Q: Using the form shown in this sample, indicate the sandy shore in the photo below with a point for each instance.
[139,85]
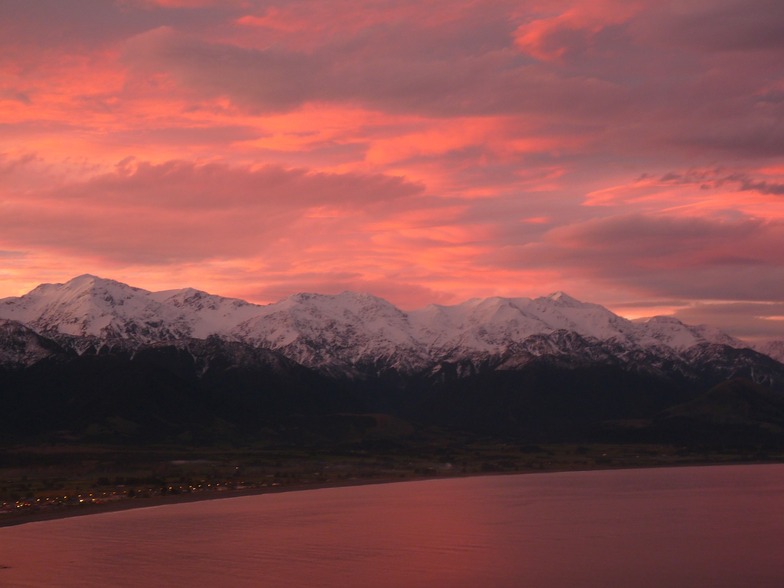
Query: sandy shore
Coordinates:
[24,516]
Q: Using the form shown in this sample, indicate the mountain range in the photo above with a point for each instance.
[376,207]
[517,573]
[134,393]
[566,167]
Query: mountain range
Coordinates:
[106,358]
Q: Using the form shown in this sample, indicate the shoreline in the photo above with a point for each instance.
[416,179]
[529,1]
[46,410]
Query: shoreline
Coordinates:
[13,519]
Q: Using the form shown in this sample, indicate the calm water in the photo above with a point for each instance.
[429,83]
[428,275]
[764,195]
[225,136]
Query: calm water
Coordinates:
[690,527]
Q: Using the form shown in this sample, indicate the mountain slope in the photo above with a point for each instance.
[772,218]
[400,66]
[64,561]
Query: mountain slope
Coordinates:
[21,346]
[774,349]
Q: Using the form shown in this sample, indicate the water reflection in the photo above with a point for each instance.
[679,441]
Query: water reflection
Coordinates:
[718,526]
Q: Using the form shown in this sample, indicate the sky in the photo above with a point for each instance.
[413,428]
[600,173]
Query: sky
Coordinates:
[627,152]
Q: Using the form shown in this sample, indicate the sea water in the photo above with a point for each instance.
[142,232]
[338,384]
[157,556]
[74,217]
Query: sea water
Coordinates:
[690,526]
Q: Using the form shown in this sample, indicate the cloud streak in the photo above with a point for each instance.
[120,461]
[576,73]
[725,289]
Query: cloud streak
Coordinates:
[178,211]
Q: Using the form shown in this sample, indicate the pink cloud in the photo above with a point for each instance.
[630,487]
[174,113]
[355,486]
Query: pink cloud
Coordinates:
[576,29]
[666,255]
[753,321]
[712,193]
[450,149]
[186,3]
[179,211]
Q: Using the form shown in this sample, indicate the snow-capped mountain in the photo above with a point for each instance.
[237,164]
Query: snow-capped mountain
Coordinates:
[98,359]
[671,332]
[112,312]
[206,314]
[493,325]
[345,330]
[352,332]
[88,306]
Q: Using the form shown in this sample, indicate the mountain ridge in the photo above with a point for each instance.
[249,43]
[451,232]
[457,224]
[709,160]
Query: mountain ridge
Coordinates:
[347,328]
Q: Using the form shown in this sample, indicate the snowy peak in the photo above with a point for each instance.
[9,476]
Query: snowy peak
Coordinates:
[671,332]
[562,312]
[197,300]
[88,306]
[207,314]
[493,326]
[477,326]
[319,329]
[562,299]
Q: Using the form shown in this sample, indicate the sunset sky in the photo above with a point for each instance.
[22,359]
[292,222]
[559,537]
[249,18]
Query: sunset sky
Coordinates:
[628,152]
